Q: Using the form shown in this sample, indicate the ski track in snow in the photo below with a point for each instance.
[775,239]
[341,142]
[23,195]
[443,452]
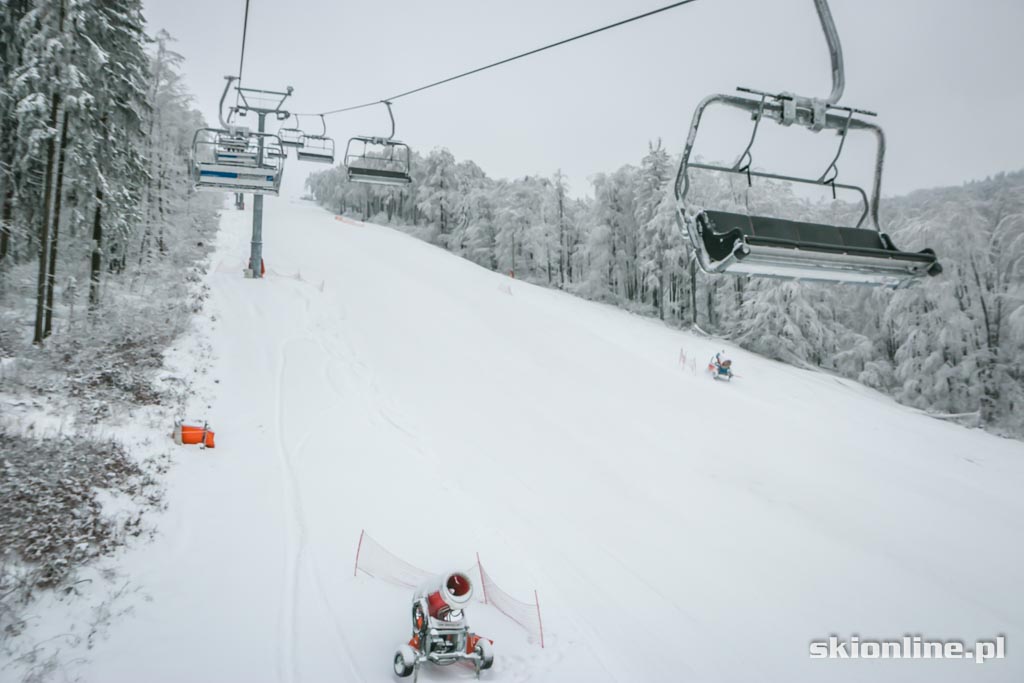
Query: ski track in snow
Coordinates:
[299,555]
[296,531]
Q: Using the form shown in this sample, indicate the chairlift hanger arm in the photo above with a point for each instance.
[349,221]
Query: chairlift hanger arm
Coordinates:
[392,116]
[835,50]
[220,110]
[835,53]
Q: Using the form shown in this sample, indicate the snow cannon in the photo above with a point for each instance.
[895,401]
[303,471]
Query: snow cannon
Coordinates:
[190,434]
[720,368]
[440,633]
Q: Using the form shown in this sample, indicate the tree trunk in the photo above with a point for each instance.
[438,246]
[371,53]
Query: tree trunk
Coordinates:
[51,276]
[44,230]
[97,252]
[6,211]
[693,289]
[161,212]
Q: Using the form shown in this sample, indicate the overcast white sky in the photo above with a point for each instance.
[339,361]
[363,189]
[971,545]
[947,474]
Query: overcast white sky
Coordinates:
[945,76]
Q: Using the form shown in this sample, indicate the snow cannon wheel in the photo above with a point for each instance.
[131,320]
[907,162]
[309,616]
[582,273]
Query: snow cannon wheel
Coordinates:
[405,661]
[486,653]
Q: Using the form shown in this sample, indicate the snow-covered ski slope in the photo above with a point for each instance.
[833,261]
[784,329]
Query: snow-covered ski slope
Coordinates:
[675,528]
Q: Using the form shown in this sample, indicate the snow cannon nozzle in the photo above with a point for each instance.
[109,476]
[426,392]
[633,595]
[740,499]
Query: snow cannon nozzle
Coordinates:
[457,590]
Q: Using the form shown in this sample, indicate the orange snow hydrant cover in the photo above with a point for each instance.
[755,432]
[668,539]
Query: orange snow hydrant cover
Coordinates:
[190,434]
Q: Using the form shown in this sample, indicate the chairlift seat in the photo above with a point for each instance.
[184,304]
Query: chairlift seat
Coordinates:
[778,247]
[377,176]
[323,156]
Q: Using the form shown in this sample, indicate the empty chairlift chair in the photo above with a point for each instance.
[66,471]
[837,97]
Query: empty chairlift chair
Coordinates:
[378,160]
[221,162]
[291,136]
[317,148]
[729,242]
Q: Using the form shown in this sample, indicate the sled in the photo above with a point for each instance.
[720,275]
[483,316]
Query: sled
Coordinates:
[719,376]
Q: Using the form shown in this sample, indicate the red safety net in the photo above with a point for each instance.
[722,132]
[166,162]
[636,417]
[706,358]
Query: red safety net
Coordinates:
[375,560]
[526,614]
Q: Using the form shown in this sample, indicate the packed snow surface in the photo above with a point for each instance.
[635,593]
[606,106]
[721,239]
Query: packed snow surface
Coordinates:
[675,528]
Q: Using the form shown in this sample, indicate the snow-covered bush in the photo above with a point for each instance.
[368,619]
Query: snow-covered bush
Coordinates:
[52,521]
[101,260]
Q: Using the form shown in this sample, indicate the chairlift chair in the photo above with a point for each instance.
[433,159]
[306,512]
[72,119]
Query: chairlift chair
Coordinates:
[291,136]
[378,160]
[734,243]
[214,168]
[317,148]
